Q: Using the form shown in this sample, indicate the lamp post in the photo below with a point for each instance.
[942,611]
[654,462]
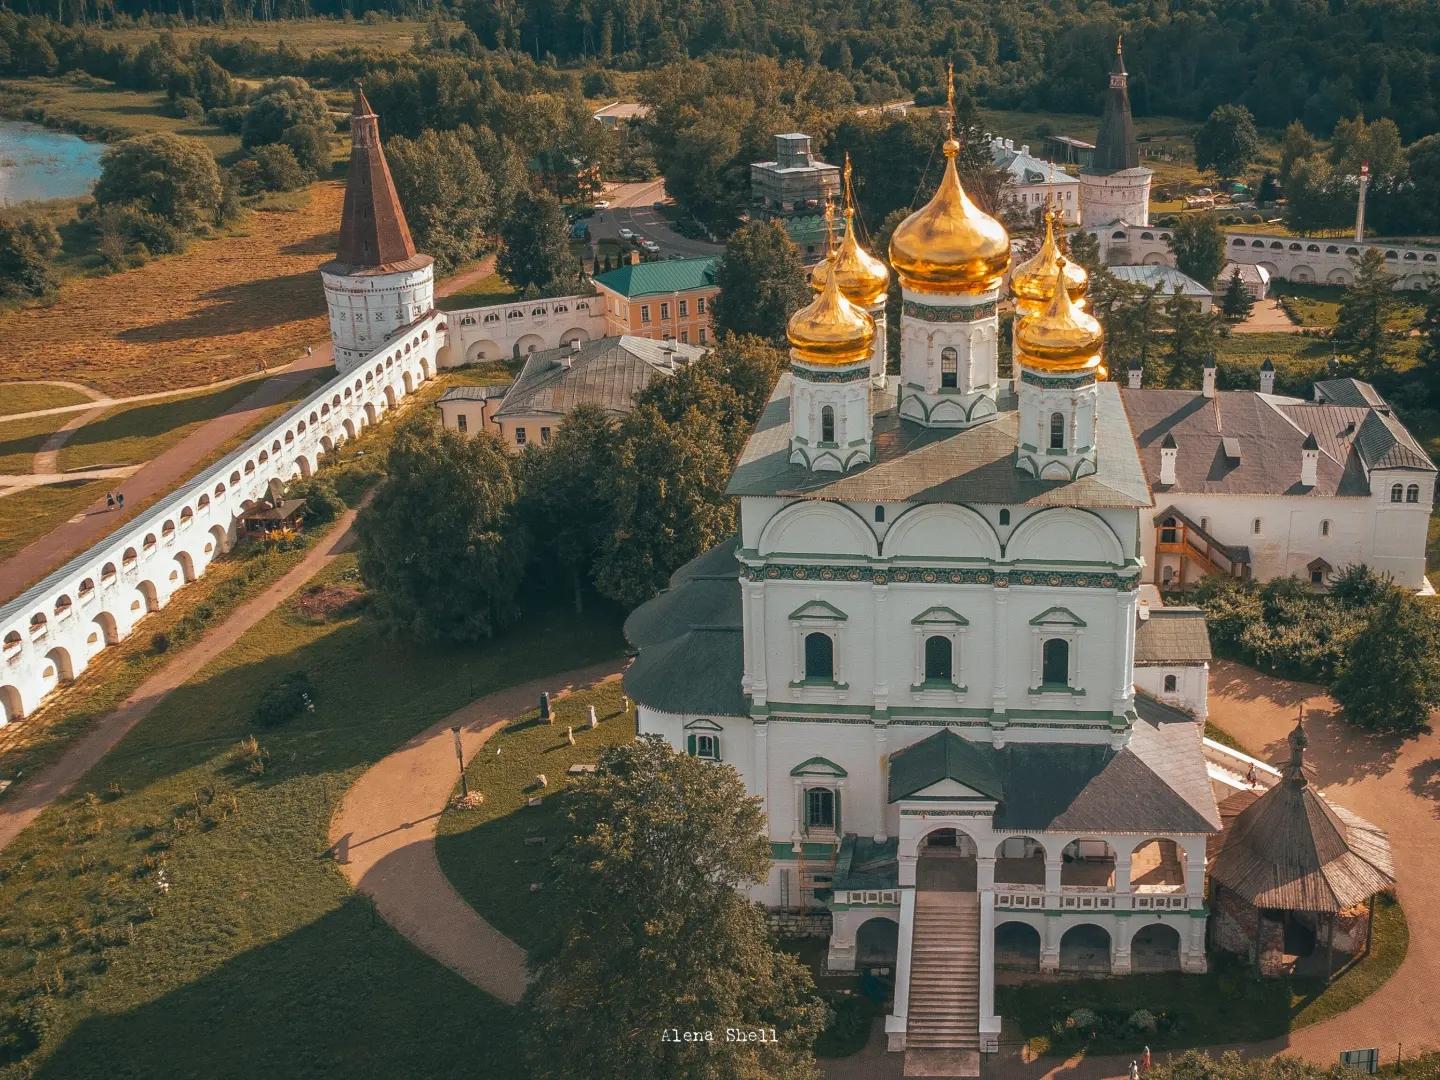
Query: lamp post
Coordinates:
[460,757]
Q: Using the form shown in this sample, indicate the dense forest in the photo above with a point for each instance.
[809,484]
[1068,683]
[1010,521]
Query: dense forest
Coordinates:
[1315,60]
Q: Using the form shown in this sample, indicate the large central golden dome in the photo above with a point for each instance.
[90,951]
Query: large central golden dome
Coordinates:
[950,245]
[1061,338]
[1033,281]
[830,330]
[863,279]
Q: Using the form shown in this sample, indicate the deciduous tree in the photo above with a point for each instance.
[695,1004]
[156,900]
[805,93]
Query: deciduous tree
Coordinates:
[26,248]
[1227,142]
[761,280]
[446,194]
[170,176]
[1391,680]
[655,933]
[280,104]
[1199,247]
[440,544]
[535,246]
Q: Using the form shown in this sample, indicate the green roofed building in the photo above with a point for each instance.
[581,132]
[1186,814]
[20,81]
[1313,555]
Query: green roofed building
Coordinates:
[669,298]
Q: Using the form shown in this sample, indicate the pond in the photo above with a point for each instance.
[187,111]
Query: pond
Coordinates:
[37,163]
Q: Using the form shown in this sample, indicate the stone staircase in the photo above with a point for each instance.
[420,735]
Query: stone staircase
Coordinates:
[944,1010]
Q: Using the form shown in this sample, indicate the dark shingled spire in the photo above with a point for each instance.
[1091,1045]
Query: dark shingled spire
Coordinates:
[373,232]
[1115,147]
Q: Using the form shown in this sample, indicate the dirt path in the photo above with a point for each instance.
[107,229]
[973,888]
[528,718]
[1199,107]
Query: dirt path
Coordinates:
[35,794]
[13,482]
[97,398]
[384,837]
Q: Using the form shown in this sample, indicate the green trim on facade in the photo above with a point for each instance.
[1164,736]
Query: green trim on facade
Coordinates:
[935,313]
[1050,617]
[1000,579]
[837,374]
[830,766]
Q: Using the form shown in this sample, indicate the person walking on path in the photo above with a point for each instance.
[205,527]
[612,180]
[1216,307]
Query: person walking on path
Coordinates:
[120,499]
[109,500]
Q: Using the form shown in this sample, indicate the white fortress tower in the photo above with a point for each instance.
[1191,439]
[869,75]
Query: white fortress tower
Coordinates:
[377,284]
[1114,187]
[951,257]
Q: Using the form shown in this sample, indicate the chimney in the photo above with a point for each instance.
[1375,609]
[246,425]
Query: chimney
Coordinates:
[1143,610]
[1136,373]
[1309,462]
[575,345]
[1267,377]
[634,257]
[1208,383]
[1169,449]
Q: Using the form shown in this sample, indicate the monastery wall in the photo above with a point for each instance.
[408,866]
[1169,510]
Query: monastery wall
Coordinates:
[511,331]
[54,629]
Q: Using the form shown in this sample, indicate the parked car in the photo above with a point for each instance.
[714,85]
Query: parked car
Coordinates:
[602,204]
[627,234]
[650,246]
[638,240]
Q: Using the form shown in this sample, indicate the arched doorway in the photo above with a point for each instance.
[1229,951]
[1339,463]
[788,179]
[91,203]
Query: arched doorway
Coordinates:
[59,659]
[10,707]
[146,599]
[877,943]
[1085,948]
[1017,947]
[1020,860]
[186,565]
[1155,948]
[103,632]
[946,861]
[1088,862]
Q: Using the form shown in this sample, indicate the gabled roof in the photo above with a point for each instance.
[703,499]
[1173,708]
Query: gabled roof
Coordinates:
[1168,278]
[944,756]
[607,372]
[374,236]
[1172,635]
[662,276]
[939,465]
[475,393]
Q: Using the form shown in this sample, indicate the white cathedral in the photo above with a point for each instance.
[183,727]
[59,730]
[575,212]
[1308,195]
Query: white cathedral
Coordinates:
[921,651]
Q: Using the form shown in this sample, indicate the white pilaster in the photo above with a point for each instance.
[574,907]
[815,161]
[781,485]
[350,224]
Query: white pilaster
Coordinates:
[989,1022]
[895,1023]
[882,750]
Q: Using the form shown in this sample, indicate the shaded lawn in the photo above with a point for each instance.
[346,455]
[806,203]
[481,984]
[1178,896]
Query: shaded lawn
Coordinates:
[29,397]
[1319,305]
[141,432]
[491,289]
[20,440]
[484,852]
[27,515]
[1226,1005]
[259,959]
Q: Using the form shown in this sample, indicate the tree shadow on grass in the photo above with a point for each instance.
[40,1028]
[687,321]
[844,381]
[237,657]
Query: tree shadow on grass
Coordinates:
[244,307]
[1425,782]
[158,418]
[344,995]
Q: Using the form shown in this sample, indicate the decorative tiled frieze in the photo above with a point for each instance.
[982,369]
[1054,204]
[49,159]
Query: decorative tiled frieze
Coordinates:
[854,373]
[935,313]
[1053,579]
[1057,382]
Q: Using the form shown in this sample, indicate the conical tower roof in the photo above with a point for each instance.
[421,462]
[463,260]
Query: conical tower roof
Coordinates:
[1290,849]
[374,236]
[1115,147]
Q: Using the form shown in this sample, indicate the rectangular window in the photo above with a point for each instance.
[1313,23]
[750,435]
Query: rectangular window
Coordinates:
[820,808]
[684,337]
[705,747]
[684,308]
[460,422]
[702,335]
[644,314]
[700,305]
[519,436]
[1255,526]
[544,434]
[664,311]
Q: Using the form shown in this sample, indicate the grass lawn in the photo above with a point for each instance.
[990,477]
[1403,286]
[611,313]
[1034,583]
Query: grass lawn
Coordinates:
[139,432]
[212,312]
[102,110]
[32,513]
[31,397]
[1319,305]
[491,289]
[484,852]
[1227,1005]
[21,439]
[257,959]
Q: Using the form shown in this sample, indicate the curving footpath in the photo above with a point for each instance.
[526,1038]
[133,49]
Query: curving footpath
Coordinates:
[384,836]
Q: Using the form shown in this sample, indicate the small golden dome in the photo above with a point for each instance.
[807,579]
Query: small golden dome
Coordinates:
[830,330]
[1060,338]
[1033,281]
[950,245]
[863,279]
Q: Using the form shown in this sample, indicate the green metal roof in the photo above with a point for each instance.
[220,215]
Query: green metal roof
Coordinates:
[942,756]
[662,276]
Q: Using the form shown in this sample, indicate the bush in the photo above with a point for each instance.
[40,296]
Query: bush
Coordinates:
[160,643]
[285,700]
[354,479]
[249,756]
[187,108]
[848,1030]
[323,503]
[276,168]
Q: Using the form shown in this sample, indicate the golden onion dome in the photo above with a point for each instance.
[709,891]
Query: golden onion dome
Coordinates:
[950,245]
[1062,337]
[830,330]
[863,278]
[1033,281]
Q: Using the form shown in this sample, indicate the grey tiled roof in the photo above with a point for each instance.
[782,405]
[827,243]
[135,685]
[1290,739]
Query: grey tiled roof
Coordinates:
[692,649]
[607,372]
[1172,635]
[931,465]
[865,864]
[1158,783]
[1349,392]
[475,393]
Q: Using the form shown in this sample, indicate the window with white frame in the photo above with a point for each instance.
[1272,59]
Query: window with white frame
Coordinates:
[949,367]
[1172,684]
[1055,648]
[817,628]
[937,633]
[818,785]
[820,809]
[702,740]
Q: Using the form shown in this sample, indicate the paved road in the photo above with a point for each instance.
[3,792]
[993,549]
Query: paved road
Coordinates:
[177,464]
[632,206]
[31,798]
[384,837]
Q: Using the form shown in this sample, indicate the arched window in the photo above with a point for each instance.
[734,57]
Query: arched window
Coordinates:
[1004,517]
[1057,431]
[1397,493]
[879,513]
[820,808]
[1055,663]
[1170,531]
[1171,684]
[819,656]
[1255,526]
[827,424]
[1412,493]
[949,367]
[939,659]
[1325,528]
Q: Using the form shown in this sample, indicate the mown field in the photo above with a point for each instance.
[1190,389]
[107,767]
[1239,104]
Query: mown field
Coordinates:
[379,33]
[215,311]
